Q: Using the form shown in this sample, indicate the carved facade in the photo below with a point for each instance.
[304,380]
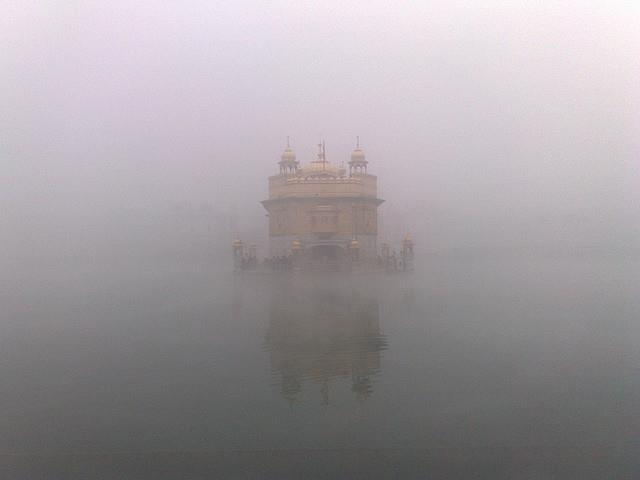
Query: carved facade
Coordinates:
[321,212]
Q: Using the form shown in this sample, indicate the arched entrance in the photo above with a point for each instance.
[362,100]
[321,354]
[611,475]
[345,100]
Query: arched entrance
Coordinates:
[327,253]
[326,258]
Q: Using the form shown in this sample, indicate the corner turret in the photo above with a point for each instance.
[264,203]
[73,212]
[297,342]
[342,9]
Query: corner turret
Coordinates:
[288,163]
[358,162]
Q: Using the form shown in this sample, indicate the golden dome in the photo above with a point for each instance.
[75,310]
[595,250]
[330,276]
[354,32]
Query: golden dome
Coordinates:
[288,155]
[354,244]
[320,168]
[357,155]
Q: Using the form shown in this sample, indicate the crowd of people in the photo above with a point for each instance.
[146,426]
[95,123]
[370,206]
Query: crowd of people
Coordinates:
[279,263]
[394,262]
[248,263]
[391,263]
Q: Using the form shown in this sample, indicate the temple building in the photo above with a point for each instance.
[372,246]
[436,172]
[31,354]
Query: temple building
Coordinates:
[321,212]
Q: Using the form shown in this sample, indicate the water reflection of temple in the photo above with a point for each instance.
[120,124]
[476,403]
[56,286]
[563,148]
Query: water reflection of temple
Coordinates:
[321,333]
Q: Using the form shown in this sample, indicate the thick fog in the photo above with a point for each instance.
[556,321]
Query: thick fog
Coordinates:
[136,139]
[488,125]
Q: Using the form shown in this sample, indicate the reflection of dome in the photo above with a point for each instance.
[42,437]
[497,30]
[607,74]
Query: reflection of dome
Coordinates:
[362,386]
[290,388]
[354,244]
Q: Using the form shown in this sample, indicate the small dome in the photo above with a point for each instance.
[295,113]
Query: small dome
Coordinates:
[288,155]
[318,168]
[357,155]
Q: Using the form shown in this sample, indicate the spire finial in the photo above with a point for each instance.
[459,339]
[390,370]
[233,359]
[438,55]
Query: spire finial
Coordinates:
[324,157]
[288,146]
[357,141]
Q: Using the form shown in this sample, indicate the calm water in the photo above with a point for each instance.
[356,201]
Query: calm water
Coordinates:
[473,368]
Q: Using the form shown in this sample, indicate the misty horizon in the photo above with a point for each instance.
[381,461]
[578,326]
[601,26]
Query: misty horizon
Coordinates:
[466,112]
[141,338]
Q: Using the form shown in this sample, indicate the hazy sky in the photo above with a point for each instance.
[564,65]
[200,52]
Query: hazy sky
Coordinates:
[473,107]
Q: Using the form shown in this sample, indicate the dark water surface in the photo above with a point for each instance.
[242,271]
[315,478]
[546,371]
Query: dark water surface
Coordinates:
[472,368]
